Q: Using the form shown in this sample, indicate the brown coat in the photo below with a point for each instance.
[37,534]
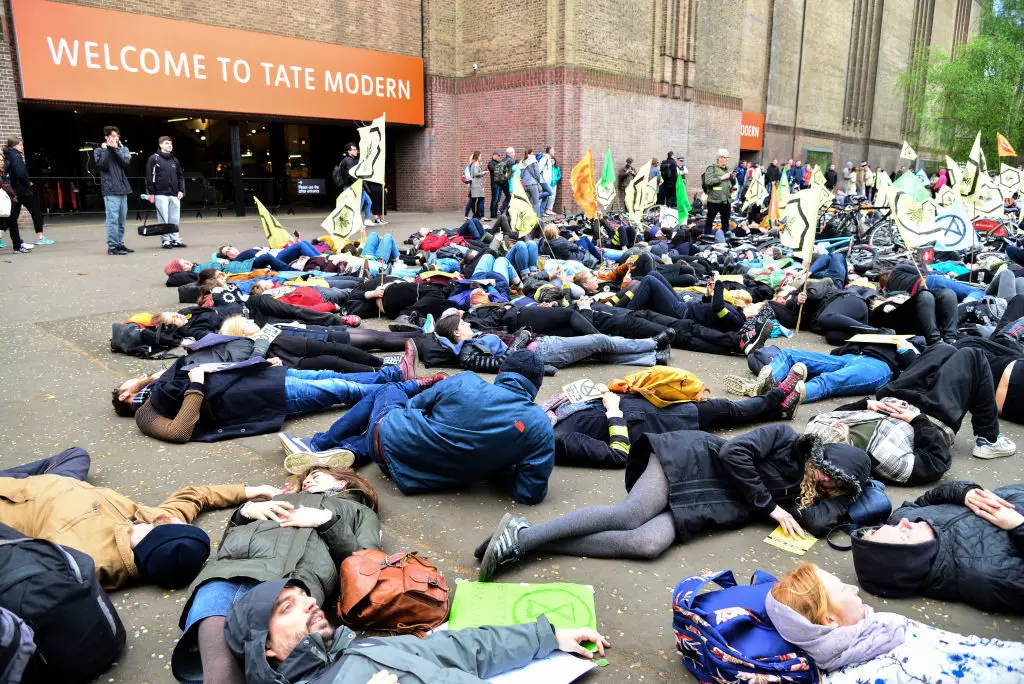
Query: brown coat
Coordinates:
[97,520]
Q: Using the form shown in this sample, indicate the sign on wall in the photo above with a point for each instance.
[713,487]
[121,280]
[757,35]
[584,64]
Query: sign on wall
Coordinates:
[751,131]
[84,54]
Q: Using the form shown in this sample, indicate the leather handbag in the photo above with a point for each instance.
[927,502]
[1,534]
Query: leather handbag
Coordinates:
[402,592]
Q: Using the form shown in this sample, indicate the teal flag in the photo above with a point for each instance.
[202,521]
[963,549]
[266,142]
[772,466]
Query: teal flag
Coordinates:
[682,200]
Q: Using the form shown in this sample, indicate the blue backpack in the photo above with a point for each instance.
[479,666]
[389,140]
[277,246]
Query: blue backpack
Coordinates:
[725,636]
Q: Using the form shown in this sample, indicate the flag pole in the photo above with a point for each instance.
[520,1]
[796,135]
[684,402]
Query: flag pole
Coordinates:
[807,277]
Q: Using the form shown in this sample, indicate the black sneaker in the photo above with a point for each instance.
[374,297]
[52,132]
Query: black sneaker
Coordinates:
[503,548]
[178,245]
[116,251]
[127,250]
[168,245]
[662,357]
[791,403]
[755,339]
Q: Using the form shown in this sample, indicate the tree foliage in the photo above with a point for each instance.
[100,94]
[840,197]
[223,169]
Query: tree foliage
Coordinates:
[979,87]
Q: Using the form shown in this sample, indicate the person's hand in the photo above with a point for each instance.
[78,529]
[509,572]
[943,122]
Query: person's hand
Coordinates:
[180,195]
[611,401]
[197,375]
[789,524]
[993,508]
[569,640]
[304,516]
[900,410]
[268,510]
[261,492]
[383,677]
[274,361]
[103,145]
[801,298]
[151,198]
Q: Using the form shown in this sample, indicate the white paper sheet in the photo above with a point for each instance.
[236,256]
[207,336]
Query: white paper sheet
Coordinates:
[557,668]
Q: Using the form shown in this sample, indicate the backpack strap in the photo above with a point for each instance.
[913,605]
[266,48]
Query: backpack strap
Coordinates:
[848,529]
[690,587]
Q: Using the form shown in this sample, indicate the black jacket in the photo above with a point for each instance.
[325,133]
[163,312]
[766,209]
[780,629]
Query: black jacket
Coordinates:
[773,174]
[112,163]
[977,562]
[669,171]
[17,171]
[830,179]
[717,483]
[163,175]
[347,163]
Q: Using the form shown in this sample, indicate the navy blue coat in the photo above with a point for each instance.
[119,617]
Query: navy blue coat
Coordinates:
[464,430]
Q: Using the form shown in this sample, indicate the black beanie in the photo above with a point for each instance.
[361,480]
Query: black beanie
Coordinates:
[527,364]
[891,570]
[172,555]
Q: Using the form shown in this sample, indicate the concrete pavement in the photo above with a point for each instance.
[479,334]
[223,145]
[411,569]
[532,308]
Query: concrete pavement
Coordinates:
[58,305]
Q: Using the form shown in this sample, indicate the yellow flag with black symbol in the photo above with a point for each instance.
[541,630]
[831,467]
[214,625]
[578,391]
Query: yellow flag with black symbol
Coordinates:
[641,194]
[988,202]
[955,175]
[521,216]
[801,216]
[344,222]
[971,182]
[756,190]
[1009,180]
[915,220]
[817,177]
[277,236]
[371,152]
[908,152]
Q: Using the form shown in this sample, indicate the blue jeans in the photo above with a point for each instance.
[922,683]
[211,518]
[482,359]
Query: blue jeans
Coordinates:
[496,191]
[499,265]
[523,256]
[564,351]
[116,207]
[833,376]
[831,266]
[299,249]
[308,390]
[73,462]
[351,431]
[366,205]
[381,248]
[471,228]
[962,290]
[545,193]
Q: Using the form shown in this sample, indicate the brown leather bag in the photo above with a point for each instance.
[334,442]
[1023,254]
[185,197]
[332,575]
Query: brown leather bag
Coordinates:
[401,593]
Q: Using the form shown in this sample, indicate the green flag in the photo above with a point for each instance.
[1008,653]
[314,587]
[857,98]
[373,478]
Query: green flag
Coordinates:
[682,200]
[606,186]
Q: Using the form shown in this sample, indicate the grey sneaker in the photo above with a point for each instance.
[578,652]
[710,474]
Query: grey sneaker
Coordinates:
[503,547]
[1003,446]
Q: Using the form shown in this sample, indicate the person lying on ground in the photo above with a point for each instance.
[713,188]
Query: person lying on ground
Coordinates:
[684,482]
[228,299]
[712,310]
[591,434]
[302,534]
[128,541]
[433,441]
[281,635]
[927,312]
[815,611]
[956,542]
[300,248]
[228,266]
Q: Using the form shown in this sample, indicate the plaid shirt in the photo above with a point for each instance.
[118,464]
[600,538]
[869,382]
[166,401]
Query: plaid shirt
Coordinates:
[139,399]
[891,446]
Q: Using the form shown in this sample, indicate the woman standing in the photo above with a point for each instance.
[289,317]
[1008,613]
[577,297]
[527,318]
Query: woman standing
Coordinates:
[475,206]
[10,222]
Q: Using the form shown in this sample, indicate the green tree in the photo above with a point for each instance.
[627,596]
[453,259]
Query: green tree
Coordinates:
[979,87]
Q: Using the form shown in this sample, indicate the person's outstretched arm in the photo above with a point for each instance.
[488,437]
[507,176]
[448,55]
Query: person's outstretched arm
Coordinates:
[530,483]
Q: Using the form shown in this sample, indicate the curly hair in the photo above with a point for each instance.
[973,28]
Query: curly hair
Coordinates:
[811,489]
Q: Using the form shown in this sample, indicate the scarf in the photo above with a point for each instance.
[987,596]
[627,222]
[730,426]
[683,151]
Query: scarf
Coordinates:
[833,648]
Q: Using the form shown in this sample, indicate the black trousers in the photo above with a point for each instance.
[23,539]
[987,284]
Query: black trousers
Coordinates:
[623,323]
[11,224]
[692,336]
[265,309]
[716,208]
[29,201]
[554,321]
[937,314]
[715,414]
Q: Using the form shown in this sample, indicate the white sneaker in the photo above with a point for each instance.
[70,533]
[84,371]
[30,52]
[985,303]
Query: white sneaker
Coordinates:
[28,245]
[367,222]
[1003,446]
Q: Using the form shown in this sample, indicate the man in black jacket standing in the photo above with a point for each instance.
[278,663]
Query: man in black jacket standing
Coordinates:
[14,163]
[669,172]
[165,186]
[112,159]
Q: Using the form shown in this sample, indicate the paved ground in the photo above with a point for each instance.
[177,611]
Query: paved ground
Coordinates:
[58,306]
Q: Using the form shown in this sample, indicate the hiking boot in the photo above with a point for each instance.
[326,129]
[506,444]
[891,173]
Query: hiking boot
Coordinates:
[351,320]
[1003,446]
[428,381]
[404,323]
[503,547]
[664,338]
[756,338]
[792,401]
[762,384]
[797,373]
[662,357]
[408,362]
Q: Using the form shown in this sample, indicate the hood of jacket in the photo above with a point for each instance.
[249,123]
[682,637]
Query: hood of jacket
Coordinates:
[849,466]
[518,384]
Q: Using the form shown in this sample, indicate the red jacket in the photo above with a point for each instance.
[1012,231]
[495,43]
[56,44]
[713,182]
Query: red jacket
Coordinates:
[307,298]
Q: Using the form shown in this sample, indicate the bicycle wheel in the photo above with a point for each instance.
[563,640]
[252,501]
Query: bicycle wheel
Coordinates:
[885,235]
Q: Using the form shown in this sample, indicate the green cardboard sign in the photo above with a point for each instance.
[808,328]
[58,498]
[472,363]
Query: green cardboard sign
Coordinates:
[477,604]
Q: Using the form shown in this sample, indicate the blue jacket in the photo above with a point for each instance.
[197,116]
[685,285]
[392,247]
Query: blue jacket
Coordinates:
[464,430]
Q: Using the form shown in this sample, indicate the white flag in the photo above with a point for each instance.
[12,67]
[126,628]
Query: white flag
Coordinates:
[371,152]
[957,232]
[908,152]
[344,221]
[801,216]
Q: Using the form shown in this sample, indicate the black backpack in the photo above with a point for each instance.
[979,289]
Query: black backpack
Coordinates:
[134,340]
[502,172]
[703,183]
[54,589]
[336,175]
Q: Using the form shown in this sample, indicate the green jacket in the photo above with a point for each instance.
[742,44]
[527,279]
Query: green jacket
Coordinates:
[263,550]
[719,189]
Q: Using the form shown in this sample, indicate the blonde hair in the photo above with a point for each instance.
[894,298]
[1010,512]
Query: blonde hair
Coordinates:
[741,298]
[234,326]
[550,232]
[811,489]
[802,590]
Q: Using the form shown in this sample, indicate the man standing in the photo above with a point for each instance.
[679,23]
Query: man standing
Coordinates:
[862,178]
[669,172]
[508,169]
[772,174]
[831,177]
[14,158]
[165,186]
[494,169]
[718,180]
[112,159]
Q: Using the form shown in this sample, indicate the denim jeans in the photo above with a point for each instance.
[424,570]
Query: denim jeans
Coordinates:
[550,206]
[545,195]
[351,431]
[831,266]
[381,248]
[564,351]
[500,265]
[168,210]
[215,598]
[307,390]
[366,205]
[833,376]
[73,462]
[534,194]
[299,249]
[471,228]
[116,207]
[496,191]
[523,256]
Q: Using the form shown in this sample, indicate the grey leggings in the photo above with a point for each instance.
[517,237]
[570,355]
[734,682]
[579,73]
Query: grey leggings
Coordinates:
[639,527]
[1006,285]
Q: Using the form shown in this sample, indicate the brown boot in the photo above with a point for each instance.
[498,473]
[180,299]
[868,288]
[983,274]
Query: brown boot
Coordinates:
[408,362]
[428,381]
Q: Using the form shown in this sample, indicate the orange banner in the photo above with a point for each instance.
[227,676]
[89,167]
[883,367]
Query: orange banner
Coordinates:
[82,54]
[751,131]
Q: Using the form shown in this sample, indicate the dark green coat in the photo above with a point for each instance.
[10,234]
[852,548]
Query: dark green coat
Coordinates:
[262,550]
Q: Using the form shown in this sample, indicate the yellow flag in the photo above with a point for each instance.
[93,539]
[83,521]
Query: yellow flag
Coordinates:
[915,220]
[955,175]
[641,195]
[521,216]
[756,191]
[908,152]
[883,188]
[972,171]
[371,152]
[1004,147]
[988,201]
[345,221]
[277,235]
[818,178]
[582,182]
[801,216]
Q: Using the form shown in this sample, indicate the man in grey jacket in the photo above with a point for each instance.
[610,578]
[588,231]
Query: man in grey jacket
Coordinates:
[282,635]
[112,159]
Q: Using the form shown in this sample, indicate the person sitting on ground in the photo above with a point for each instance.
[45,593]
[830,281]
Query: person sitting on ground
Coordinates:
[434,441]
[816,612]
[934,547]
[283,636]
[684,482]
[129,542]
[321,517]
